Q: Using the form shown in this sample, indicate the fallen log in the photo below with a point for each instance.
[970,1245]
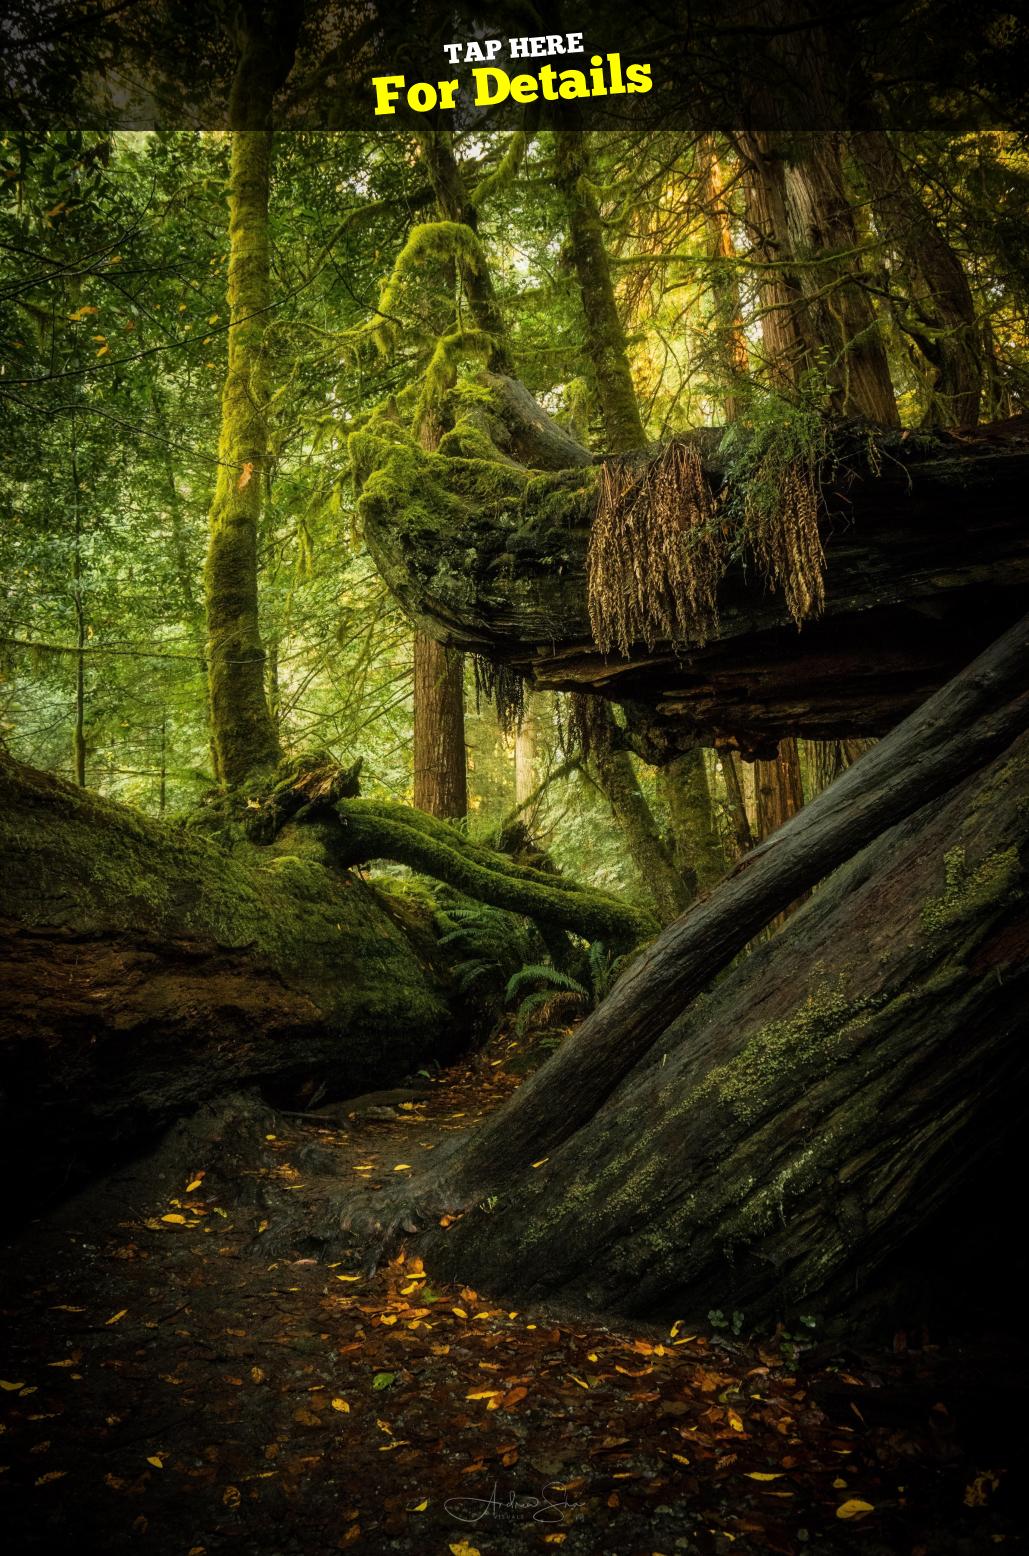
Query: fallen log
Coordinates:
[927,554]
[147,968]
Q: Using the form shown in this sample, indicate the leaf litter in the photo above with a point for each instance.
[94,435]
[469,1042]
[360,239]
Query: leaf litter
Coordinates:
[197,1395]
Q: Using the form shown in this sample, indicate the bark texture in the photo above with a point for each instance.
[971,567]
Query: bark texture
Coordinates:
[927,558]
[786,1139]
[964,726]
[244,736]
[604,334]
[440,769]
[148,967]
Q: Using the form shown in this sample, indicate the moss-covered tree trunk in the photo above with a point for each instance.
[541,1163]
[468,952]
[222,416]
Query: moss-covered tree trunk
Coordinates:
[696,846]
[244,736]
[146,968]
[668,888]
[604,334]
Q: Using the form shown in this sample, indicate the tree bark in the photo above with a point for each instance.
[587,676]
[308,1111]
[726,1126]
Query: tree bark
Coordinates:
[942,312]
[926,560]
[147,967]
[962,727]
[440,769]
[244,736]
[604,334]
[784,1141]
[696,847]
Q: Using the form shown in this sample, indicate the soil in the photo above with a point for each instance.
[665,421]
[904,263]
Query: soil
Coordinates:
[180,1377]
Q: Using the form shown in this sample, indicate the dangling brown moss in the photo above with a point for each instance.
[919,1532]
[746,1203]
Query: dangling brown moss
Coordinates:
[783,534]
[654,557]
[504,688]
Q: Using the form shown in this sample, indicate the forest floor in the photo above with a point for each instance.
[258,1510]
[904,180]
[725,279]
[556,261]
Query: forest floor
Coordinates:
[167,1388]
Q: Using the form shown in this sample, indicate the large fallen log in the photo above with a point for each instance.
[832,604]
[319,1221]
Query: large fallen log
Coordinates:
[927,553]
[962,727]
[802,1140]
[146,968]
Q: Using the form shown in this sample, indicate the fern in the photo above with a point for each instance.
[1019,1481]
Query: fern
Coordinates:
[541,972]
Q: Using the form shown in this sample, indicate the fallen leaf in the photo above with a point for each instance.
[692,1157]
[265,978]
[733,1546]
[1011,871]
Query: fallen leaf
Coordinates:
[230,1496]
[761,1475]
[854,1508]
[175,1219]
[116,1317]
[342,1406]
[156,1460]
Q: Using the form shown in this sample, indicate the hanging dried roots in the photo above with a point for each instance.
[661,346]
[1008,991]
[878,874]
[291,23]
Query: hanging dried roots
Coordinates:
[780,510]
[504,688]
[589,728]
[654,559]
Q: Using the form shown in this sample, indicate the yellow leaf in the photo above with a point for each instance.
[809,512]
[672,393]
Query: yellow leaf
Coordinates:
[10,1388]
[484,1394]
[213,319]
[760,1475]
[554,1539]
[174,1218]
[194,1185]
[402,1167]
[540,1162]
[419,1507]
[735,1422]
[342,1406]
[459,1312]
[44,1480]
[103,351]
[116,1317]
[257,1374]
[230,1496]
[388,1318]
[838,1484]
[156,1460]
[462,1548]
[348,1277]
[854,1508]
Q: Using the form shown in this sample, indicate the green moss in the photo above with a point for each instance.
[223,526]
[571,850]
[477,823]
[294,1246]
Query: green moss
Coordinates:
[75,860]
[807,1042]
[968,890]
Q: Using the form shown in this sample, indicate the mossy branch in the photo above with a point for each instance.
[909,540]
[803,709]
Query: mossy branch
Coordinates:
[504,172]
[380,830]
[429,241]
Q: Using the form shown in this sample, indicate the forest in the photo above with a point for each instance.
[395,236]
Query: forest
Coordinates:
[514,796]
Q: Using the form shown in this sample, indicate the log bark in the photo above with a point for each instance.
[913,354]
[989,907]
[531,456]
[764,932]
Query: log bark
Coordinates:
[146,968]
[965,725]
[785,1142]
[927,558]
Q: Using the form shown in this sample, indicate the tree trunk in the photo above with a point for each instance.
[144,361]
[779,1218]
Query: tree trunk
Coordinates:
[604,335]
[965,725]
[728,307]
[942,313]
[784,1141]
[440,775]
[244,736]
[660,878]
[455,206]
[814,307]
[696,847]
[780,793]
[146,968]
[525,754]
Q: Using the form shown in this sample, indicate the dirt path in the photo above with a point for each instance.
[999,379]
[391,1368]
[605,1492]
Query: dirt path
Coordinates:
[168,1387]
